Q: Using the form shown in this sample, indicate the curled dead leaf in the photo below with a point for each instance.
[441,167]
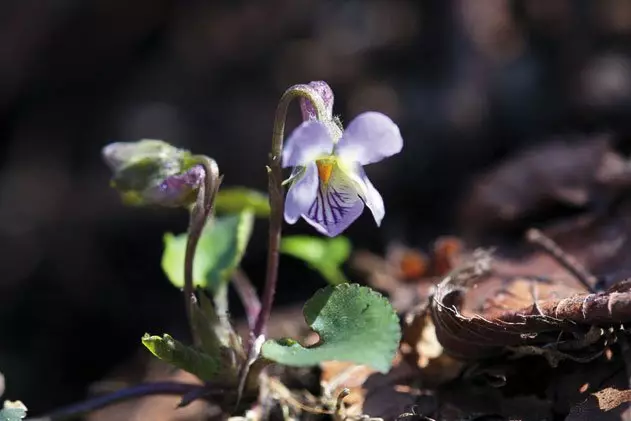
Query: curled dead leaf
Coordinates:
[488,313]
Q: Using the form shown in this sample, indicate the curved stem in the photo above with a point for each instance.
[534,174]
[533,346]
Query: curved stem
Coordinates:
[247,294]
[137,391]
[200,213]
[275,187]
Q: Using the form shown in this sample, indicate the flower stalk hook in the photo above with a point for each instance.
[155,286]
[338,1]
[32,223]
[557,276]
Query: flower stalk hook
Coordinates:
[276,195]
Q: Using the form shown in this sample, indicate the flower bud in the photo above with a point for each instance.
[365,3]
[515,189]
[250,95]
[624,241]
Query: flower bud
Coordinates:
[153,172]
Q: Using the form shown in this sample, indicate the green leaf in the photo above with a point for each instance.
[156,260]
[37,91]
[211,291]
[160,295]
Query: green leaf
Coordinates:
[237,199]
[13,411]
[205,322]
[185,357]
[218,254]
[355,324]
[325,255]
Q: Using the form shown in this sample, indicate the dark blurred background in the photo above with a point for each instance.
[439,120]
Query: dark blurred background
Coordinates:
[469,83]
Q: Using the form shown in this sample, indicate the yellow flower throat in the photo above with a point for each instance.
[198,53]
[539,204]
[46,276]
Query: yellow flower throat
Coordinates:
[325,169]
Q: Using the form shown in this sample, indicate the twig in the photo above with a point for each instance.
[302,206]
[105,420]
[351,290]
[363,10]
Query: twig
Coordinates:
[568,262]
[200,212]
[137,391]
[275,187]
[249,298]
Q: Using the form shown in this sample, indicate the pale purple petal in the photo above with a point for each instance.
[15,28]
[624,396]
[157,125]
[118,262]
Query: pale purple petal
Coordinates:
[301,194]
[306,143]
[369,138]
[372,197]
[326,93]
[337,205]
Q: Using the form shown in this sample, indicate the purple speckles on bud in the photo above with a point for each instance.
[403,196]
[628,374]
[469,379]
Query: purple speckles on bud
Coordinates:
[324,90]
[153,172]
[178,189]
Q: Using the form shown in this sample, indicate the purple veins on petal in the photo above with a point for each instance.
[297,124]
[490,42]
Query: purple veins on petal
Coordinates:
[336,206]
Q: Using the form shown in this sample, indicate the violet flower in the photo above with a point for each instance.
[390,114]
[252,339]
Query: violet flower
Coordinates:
[329,187]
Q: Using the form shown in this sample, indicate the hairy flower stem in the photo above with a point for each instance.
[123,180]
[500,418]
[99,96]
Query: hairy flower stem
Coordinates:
[200,213]
[275,187]
[137,391]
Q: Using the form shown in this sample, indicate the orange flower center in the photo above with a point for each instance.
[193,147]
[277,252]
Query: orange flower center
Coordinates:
[325,168]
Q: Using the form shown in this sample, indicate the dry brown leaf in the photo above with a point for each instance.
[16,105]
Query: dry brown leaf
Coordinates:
[385,276]
[337,376]
[542,300]
[537,302]
[421,348]
[611,398]
[371,393]
[489,314]
[607,404]
[389,395]
[406,274]
[601,242]
[558,173]
[594,391]
[448,254]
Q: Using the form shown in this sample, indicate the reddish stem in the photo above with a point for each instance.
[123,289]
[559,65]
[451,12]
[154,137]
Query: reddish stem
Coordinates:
[275,187]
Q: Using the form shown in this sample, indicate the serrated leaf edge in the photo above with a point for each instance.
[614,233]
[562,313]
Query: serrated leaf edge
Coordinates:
[394,318]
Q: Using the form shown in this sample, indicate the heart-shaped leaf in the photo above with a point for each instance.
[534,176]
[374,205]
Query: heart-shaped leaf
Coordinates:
[13,411]
[237,199]
[355,324]
[185,357]
[219,252]
[325,255]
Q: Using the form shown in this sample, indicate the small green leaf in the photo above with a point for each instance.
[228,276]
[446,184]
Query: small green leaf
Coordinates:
[237,199]
[355,324]
[13,411]
[187,358]
[324,255]
[205,323]
[218,254]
